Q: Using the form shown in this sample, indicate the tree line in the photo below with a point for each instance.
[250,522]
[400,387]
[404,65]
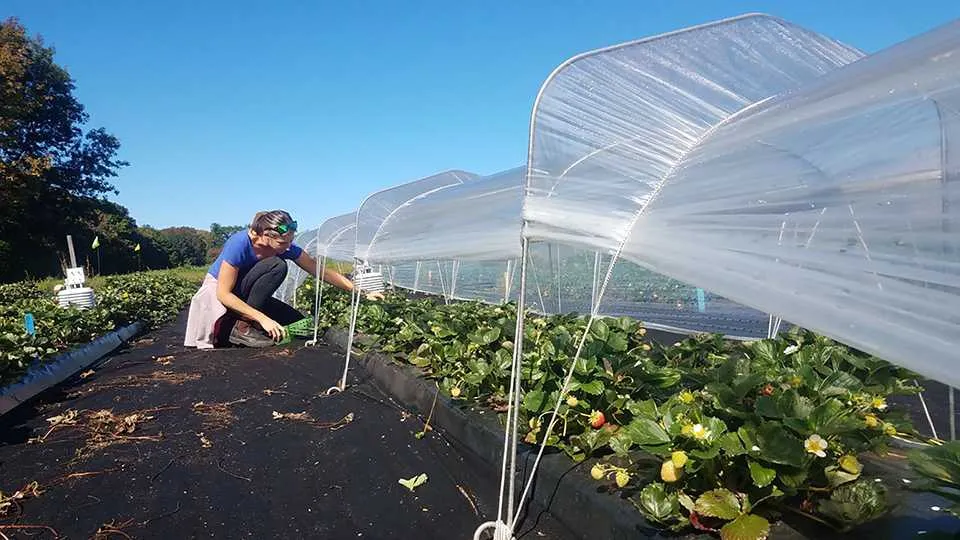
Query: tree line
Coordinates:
[55,175]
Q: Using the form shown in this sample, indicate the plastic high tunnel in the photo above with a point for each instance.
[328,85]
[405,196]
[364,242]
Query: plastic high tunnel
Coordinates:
[783,172]
[774,167]
[610,127]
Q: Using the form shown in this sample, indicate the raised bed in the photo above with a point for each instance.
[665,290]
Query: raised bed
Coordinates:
[47,374]
[586,507]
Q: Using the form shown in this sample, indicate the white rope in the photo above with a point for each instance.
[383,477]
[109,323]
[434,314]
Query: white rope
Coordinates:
[318,296]
[594,311]
[355,300]
[443,288]
[503,530]
[926,411]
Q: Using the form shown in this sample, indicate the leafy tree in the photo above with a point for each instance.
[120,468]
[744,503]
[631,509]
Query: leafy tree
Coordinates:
[185,245]
[52,172]
[220,233]
[153,248]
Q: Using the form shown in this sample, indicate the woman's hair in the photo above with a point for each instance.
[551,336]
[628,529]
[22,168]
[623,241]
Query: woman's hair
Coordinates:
[268,220]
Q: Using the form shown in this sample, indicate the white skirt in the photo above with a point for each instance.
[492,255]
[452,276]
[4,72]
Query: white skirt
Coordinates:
[205,310]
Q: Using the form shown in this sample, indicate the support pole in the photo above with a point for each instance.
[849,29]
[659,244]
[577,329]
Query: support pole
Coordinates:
[73,254]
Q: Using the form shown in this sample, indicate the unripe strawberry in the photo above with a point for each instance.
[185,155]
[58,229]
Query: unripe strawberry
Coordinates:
[851,464]
[679,459]
[623,478]
[455,391]
[597,472]
[572,401]
[668,472]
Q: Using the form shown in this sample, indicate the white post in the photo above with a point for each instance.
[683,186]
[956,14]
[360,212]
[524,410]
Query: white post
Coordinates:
[73,254]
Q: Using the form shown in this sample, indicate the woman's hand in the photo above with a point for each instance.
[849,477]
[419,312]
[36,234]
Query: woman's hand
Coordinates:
[273,328]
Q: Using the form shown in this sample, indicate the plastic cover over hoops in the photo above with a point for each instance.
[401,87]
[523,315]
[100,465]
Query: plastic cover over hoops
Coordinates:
[306,239]
[459,239]
[831,204]
[378,209]
[610,125]
[479,220]
[334,240]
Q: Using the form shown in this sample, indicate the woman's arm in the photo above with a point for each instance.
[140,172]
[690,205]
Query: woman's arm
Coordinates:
[309,264]
[225,283]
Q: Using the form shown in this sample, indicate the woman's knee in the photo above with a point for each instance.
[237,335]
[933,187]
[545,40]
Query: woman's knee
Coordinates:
[273,265]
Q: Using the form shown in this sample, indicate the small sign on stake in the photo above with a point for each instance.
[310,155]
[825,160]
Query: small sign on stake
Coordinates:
[29,325]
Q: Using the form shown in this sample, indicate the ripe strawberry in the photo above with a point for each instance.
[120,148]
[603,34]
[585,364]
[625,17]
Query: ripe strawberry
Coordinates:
[767,390]
[597,420]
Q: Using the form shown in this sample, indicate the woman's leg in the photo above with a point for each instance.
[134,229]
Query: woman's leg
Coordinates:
[256,288]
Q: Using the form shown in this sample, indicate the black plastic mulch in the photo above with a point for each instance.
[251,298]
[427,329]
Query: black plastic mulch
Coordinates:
[226,467]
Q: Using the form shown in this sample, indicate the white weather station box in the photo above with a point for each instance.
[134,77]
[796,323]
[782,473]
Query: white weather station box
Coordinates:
[73,292]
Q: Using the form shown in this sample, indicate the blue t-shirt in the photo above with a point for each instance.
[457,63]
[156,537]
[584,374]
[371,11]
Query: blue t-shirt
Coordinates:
[238,251]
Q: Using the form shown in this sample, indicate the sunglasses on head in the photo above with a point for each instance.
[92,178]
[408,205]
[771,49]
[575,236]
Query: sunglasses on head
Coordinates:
[284,228]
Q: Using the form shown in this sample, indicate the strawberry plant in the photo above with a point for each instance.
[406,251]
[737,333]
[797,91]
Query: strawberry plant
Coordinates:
[151,297]
[939,469]
[722,436]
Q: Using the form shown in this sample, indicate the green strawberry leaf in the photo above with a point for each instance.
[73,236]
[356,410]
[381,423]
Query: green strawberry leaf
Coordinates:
[657,503]
[646,432]
[778,446]
[533,401]
[718,503]
[730,443]
[762,476]
[599,330]
[594,387]
[617,342]
[746,527]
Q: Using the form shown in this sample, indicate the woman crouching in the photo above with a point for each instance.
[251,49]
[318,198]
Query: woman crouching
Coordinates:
[235,303]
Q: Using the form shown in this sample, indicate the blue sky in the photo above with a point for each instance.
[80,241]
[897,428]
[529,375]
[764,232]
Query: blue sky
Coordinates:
[225,107]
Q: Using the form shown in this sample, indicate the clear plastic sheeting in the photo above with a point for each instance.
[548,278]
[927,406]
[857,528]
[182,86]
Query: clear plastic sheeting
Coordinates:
[458,241]
[338,238]
[565,279]
[333,241]
[478,220]
[834,207]
[609,126]
[462,241]
[376,213]
[307,240]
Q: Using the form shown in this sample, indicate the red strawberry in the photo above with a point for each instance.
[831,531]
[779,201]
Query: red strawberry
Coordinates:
[767,390]
[597,420]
